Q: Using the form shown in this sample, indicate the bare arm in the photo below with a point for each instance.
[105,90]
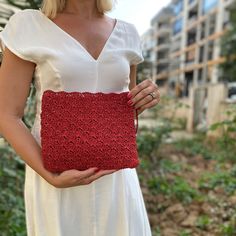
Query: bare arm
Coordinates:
[133,73]
[15,79]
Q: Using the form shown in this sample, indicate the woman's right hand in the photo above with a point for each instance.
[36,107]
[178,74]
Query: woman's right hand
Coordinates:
[71,178]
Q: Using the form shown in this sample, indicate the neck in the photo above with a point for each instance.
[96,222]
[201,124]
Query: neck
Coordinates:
[86,9]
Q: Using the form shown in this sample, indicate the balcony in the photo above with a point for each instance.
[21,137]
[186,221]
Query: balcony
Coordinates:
[191,37]
[191,21]
[163,47]
[162,40]
[191,41]
[212,30]
[163,30]
[162,55]
[201,54]
[175,46]
[162,60]
[162,68]
[188,63]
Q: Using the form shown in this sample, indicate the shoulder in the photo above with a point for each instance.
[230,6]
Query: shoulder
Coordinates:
[25,21]
[24,15]
[133,42]
[129,28]
[21,13]
[131,34]
[19,33]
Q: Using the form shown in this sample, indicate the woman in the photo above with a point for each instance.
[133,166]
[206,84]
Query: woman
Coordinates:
[73,46]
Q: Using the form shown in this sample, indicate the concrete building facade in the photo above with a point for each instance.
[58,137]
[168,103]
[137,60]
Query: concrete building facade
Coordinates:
[186,43]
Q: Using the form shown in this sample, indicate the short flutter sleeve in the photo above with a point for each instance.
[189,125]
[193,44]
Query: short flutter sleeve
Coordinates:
[134,42]
[16,36]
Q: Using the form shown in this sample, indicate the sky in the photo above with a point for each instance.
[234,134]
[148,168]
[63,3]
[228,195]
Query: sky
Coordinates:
[138,12]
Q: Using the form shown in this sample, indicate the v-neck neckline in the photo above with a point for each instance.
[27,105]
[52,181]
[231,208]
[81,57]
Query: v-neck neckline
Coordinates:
[78,43]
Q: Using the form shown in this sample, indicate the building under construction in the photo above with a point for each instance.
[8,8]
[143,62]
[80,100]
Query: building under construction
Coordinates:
[183,44]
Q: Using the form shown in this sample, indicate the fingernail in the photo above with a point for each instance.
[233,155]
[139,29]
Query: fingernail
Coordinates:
[129,95]
[130,102]
[96,170]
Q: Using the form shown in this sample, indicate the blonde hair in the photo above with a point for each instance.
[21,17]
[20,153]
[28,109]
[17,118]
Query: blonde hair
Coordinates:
[51,7]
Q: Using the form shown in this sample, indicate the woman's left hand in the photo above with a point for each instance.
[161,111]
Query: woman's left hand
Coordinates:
[141,98]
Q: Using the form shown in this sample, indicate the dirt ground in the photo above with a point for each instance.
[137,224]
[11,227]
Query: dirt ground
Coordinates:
[210,214]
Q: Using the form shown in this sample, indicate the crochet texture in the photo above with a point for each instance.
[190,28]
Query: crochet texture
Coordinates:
[80,130]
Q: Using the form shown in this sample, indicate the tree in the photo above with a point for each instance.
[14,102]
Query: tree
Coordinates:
[228,47]
[9,7]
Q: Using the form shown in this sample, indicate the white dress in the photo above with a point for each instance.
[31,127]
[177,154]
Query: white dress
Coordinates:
[112,205]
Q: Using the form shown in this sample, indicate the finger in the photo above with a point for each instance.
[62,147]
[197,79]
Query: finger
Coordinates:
[146,100]
[99,174]
[87,173]
[147,105]
[142,85]
[103,172]
[141,100]
[143,96]
[107,171]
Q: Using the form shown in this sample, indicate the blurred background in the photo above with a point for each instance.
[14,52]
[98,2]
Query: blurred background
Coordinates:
[187,143]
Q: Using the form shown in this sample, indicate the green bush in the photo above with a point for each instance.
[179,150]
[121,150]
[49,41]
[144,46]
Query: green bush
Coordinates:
[12,175]
[195,146]
[220,178]
[12,210]
[178,188]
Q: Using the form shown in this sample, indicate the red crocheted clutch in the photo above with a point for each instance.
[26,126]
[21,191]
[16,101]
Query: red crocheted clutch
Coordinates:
[80,130]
